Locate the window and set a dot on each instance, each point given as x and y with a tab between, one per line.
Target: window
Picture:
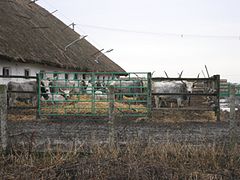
6	71
75	76
26	72
42	72
55	75
66	76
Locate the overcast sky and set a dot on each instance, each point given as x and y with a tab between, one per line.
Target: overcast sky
160	35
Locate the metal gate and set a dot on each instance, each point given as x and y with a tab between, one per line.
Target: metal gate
225	89
89	94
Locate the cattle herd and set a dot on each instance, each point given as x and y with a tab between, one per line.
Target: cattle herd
177	92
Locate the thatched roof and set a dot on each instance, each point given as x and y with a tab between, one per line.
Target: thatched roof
30	34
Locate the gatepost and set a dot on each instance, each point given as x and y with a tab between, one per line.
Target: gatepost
233	124
3	117
111	117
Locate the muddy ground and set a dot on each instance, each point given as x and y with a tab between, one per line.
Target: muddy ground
71	134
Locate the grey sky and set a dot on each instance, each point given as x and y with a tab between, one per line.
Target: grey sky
172	49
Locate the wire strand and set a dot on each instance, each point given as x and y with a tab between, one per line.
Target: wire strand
166	34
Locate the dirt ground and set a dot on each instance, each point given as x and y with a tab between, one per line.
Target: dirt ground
68	134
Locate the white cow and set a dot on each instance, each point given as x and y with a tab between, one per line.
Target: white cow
169	87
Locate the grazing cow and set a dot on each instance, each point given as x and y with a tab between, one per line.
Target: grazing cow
57	97
169	87
100	94
79	87
62	88
100	86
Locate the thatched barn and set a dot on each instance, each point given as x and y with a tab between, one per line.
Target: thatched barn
33	39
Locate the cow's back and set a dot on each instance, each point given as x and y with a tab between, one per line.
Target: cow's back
167	87
25	86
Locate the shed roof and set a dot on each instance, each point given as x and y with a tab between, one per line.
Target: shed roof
31	34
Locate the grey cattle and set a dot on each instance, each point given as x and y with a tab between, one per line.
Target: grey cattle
169	87
27	92
63	88
79	87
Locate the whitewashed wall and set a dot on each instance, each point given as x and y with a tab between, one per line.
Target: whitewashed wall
18	70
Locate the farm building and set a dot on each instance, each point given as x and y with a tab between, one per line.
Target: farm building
33	40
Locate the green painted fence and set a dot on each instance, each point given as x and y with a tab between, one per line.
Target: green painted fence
225	89
89	93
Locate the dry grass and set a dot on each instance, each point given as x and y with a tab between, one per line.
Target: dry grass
174	116
14	117
131	161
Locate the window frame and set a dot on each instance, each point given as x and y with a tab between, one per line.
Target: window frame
55	75
4	70
66	76
75	76
27	72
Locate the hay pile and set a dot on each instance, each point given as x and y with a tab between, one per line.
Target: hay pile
21	114
84	105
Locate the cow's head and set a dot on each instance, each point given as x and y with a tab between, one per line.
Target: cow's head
65	93
189	85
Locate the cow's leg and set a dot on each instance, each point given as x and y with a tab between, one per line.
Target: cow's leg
34	101
162	102
12	99
179	102
156	101
189	101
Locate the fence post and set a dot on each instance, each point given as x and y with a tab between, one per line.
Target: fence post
3	117
217	86
149	96
232	126
38	96
111	116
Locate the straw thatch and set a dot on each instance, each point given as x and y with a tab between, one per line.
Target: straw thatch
30	34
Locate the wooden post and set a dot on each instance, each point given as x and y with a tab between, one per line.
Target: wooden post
149	97
38	96
217	87
232	118
3	117
111	116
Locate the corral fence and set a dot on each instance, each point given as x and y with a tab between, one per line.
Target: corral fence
104	94
204	95
20	104
94	94
225	88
